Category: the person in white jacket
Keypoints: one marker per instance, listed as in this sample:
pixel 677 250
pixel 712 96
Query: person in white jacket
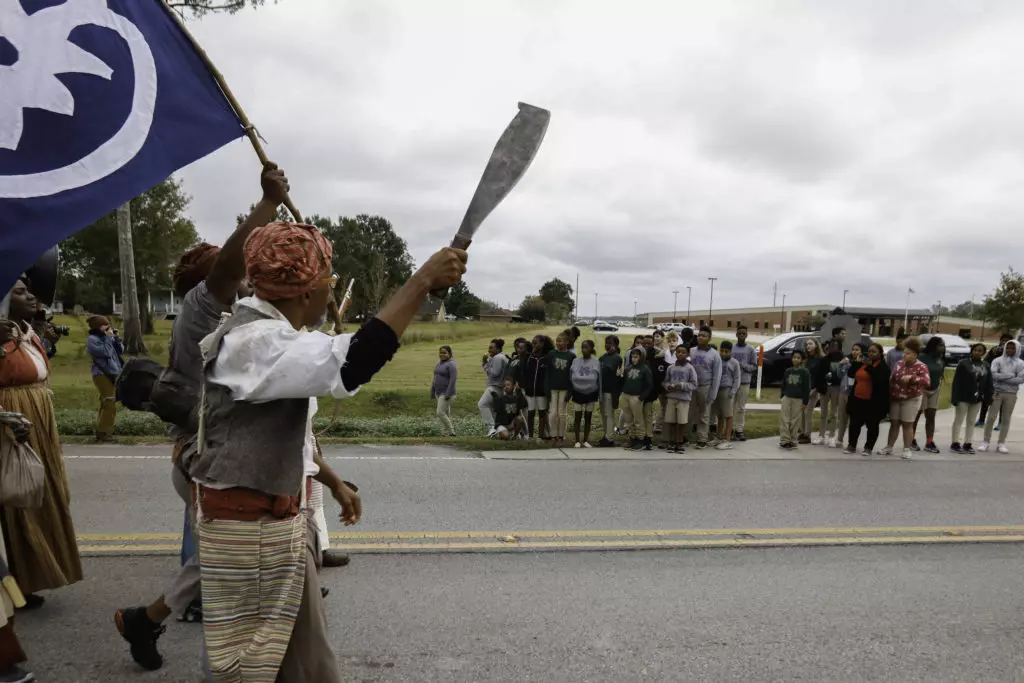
pixel 1007 376
pixel 495 365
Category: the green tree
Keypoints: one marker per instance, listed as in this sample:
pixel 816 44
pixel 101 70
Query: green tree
pixel 1005 306
pixel 368 249
pixel 532 309
pixel 161 232
pixel 556 291
pixel 462 302
pixel 556 312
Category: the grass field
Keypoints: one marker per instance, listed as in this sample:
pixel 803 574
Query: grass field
pixel 395 407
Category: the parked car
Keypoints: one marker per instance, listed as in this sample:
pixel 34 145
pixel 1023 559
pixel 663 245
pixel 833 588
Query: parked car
pixel 602 326
pixel 956 348
pixel 582 323
pixel 779 349
pixel 672 327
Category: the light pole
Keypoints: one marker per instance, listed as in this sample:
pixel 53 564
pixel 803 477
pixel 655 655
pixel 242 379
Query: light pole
pixel 595 306
pixel 906 311
pixel 675 297
pixel 845 292
pixel 689 292
pixel 634 311
pixel 711 300
pixel 782 322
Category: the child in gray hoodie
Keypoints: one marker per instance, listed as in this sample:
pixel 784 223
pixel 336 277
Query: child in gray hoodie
pixel 680 383
pixel 708 365
pixel 731 382
pixel 585 373
pixel 1007 376
pixel 495 364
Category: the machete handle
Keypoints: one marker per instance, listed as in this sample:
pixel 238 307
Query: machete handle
pixel 458 243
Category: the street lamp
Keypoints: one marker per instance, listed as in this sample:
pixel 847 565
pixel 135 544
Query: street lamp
pixel 595 306
pixel 675 296
pixel 782 322
pixel 845 292
pixel 689 291
pixel 711 300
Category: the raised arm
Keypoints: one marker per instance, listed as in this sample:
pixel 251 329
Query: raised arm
pixel 229 269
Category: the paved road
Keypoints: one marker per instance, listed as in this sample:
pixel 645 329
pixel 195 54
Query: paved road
pixel 839 614
pixel 439 490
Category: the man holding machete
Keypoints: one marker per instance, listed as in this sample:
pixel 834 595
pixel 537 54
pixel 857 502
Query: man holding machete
pixel 264 617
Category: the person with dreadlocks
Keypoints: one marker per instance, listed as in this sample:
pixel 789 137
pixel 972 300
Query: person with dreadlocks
pixel 208 280
pixel 264 617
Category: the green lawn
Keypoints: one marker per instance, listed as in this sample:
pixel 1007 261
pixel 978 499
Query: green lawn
pixel 394 408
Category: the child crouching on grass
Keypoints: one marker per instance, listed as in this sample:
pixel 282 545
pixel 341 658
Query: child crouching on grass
pixel 508 418
pixel 680 382
pixel 796 393
pixel 637 383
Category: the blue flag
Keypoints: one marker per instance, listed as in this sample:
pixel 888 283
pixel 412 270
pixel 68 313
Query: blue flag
pixel 100 100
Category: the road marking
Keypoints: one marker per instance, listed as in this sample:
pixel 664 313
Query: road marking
pixel 625 544
pixel 167 457
pixel 662 534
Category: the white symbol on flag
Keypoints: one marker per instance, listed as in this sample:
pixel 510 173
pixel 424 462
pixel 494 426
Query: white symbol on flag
pixel 44 51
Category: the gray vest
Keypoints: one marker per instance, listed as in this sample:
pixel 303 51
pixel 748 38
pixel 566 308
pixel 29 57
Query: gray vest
pixel 252 445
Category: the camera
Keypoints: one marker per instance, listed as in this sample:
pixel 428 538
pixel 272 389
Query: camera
pixel 62 330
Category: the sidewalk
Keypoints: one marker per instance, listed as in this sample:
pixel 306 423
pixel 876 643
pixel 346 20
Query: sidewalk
pixel 767 449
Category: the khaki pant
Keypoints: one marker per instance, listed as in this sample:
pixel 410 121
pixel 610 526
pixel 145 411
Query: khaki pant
pixel 108 405
pixel 965 412
pixel 444 413
pixel 791 419
pixel 808 421
pixel 557 417
pixel 608 414
pixel 699 412
pixel 829 405
pixel 739 407
pixel 633 413
pixel 1002 407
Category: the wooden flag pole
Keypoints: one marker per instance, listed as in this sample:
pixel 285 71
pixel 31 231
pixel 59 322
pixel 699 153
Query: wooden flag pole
pixel 250 130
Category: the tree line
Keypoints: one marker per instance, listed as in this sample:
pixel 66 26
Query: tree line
pixel 366 248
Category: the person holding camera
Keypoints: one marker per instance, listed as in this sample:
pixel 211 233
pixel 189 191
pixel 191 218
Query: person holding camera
pixel 106 348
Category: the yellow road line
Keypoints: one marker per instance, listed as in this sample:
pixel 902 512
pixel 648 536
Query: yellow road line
pixel 607 533
pixel 624 544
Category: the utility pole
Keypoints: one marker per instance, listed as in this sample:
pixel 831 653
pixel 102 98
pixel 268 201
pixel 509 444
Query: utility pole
pixel 595 306
pixel 675 297
pixel 845 292
pixel 711 300
pixel 576 314
pixel 133 343
pixel 782 323
pixel 634 311
pixel 689 292
pixel 775 291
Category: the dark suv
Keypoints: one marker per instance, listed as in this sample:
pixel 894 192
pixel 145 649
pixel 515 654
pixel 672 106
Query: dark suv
pixel 777 352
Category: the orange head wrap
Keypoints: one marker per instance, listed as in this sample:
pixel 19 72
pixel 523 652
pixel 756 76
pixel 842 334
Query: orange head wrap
pixel 286 260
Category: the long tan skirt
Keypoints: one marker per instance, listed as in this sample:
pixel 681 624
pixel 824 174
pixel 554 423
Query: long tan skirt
pixel 41 548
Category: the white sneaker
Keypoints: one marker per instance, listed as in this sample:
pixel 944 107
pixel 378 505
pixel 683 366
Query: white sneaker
pixel 586 444
pixel 983 447
pixel 491 432
pixel 724 446
pixel 907 454
pixel 832 443
pixel 884 450
pixel 816 440
pixel 1002 449
pixel 578 445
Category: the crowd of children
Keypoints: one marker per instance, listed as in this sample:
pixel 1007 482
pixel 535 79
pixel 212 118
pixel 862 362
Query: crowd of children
pixel 664 384
pixel 860 390
pixel 687 390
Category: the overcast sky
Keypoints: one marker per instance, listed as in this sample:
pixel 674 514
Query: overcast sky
pixel 869 146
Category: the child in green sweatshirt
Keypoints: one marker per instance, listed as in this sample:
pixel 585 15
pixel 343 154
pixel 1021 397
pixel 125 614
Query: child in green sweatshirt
pixel 637 383
pixel 611 386
pixel 796 392
pixel 559 384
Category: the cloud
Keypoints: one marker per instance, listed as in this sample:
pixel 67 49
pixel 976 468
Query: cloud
pixel 821 145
